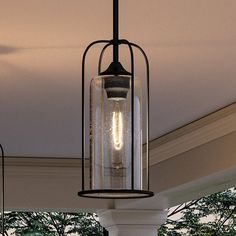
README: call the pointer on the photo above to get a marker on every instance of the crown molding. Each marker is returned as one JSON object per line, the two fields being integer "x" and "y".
{"x": 202, "y": 131}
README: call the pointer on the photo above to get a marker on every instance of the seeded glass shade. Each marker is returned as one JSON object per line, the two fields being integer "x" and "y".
{"x": 110, "y": 137}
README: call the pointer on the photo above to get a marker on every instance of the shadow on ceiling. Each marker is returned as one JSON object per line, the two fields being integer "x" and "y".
{"x": 7, "y": 49}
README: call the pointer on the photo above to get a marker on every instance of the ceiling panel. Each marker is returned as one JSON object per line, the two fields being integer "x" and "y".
{"x": 191, "y": 46}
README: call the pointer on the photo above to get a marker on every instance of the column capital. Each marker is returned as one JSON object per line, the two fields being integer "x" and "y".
{"x": 132, "y": 222}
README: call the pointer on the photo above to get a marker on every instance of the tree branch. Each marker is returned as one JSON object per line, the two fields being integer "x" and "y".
{"x": 54, "y": 223}
{"x": 227, "y": 218}
{"x": 186, "y": 206}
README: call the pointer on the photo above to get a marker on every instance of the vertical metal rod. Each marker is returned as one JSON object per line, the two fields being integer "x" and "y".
{"x": 115, "y": 30}
{"x": 82, "y": 114}
{"x": 3, "y": 189}
{"x": 147, "y": 107}
{"x": 132, "y": 112}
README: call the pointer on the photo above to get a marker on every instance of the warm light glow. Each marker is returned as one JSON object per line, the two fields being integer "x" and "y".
{"x": 117, "y": 130}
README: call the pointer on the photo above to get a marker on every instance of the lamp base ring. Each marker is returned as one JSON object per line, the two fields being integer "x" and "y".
{"x": 115, "y": 193}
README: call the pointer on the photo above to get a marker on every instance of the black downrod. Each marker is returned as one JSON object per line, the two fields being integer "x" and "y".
{"x": 115, "y": 31}
{"x": 115, "y": 68}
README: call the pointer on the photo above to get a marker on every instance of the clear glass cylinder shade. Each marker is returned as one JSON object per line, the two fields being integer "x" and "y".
{"x": 111, "y": 134}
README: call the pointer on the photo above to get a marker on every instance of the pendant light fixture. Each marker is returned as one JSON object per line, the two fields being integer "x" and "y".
{"x": 118, "y": 164}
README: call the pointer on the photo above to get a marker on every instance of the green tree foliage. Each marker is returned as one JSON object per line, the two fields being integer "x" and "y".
{"x": 213, "y": 215}
{"x": 52, "y": 224}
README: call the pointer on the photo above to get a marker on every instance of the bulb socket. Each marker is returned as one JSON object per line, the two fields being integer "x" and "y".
{"x": 117, "y": 87}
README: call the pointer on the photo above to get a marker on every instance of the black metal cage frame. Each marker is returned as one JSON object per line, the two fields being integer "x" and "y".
{"x": 116, "y": 68}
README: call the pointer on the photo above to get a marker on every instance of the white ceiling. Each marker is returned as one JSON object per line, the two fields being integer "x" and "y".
{"x": 191, "y": 45}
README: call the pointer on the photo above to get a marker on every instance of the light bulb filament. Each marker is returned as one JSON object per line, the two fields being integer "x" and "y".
{"x": 117, "y": 130}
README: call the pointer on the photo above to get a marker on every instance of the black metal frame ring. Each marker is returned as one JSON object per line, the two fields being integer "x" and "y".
{"x": 128, "y": 193}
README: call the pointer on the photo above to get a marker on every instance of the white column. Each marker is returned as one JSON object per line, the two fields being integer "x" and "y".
{"x": 132, "y": 222}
